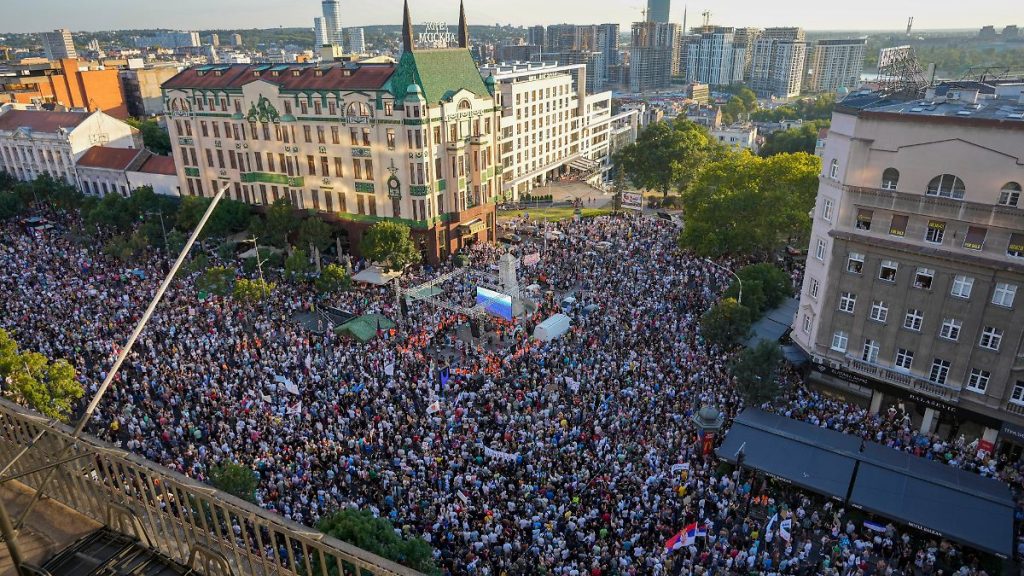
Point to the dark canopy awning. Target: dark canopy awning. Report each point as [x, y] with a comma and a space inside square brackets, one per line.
[924, 494]
[790, 457]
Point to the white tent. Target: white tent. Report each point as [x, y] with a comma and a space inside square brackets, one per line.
[374, 275]
[552, 328]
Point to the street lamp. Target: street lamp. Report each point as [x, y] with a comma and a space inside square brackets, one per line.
[734, 275]
[160, 213]
[259, 261]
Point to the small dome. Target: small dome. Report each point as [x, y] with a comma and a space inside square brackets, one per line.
[413, 89]
[708, 414]
[490, 81]
[843, 91]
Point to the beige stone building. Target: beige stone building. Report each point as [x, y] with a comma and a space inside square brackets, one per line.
[914, 287]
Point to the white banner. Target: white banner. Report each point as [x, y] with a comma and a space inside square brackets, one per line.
[499, 455]
[632, 201]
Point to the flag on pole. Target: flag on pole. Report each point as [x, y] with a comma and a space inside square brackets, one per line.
[690, 534]
[434, 408]
[874, 526]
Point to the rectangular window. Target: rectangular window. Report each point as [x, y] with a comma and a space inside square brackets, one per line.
[369, 169]
[287, 107]
[879, 311]
[833, 171]
[339, 168]
[1015, 248]
[923, 278]
[819, 250]
[325, 166]
[839, 341]
[321, 136]
[317, 107]
[913, 320]
[807, 324]
[307, 134]
[939, 372]
[1004, 294]
[311, 165]
[389, 108]
[335, 135]
[864, 219]
[391, 138]
[870, 352]
[357, 169]
[975, 238]
[354, 135]
[220, 158]
[899, 225]
[847, 302]
[991, 338]
[813, 288]
[366, 136]
[950, 329]
[962, 286]
[855, 263]
[887, 271]
[978, 380]
[936, 231]
[216, 130]
[209, 157]
[1017, 397]
[303, 107]
[904, 359]
[204, 129]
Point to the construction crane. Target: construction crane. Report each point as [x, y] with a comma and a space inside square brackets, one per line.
[707, 17]
[910, 24]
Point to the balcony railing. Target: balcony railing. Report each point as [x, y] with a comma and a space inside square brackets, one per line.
[190, 522]
[904, 379]
[933, 206]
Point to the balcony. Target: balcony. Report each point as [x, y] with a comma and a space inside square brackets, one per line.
[903, 379]
[933, 206]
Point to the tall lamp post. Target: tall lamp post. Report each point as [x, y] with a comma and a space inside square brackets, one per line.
[734, 275]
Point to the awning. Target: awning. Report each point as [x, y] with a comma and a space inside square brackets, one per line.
[374, 275]
[932, 506]
[788, 457]
[775, 323]
[474, 226]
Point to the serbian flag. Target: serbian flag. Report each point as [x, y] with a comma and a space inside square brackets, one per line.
[675, 542]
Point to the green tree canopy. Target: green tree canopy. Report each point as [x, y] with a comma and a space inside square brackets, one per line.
[755, 372]
[726, 324]
[377, 535]
[235, 479]
[112, 215]
[153, 136]
[10, 205]
[49, 387]
[126, 247]
[253, 291]
[817, 108]
[217, 280]
[390, 244]
[230, 216]
[297, 265]
[333, 278]
[280, 223]
[803, 138]
[666, 156]
[765, 286]
[743, 204]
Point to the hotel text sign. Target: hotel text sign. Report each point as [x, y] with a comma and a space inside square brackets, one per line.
[437, 34]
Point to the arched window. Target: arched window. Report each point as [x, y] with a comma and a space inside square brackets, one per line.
[465, 105]
[1010, 194]
[946, 186]
[358, 109]
[890, 179]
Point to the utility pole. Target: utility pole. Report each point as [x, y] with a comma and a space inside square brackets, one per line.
[259, 261]
[734, 275]
[162, 227]
[9, 531]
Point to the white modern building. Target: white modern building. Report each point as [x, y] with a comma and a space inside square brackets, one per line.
[354, 41]
[551, 127]
[739, 135]
[778, 63]
[320, 31]
[36, 142]
[332, 22]
[835, 64]
[711, 58]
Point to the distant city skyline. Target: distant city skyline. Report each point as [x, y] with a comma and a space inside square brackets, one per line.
[241, 14]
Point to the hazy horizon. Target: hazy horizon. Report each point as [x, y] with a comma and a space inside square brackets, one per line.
[863, 16]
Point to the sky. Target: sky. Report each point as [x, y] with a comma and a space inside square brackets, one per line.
[39, 15]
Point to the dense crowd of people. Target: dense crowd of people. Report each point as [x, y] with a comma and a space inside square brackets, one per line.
[573, 457]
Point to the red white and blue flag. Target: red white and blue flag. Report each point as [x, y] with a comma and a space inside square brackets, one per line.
[686, 537]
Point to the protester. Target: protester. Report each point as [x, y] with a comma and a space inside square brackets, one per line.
[574, 457]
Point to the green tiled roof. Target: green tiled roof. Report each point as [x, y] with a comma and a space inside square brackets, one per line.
[440, 73]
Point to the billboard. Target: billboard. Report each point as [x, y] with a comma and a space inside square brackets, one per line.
[495, 303]
[632, 201]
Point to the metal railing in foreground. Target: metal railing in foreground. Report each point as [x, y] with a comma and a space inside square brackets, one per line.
[192, 523]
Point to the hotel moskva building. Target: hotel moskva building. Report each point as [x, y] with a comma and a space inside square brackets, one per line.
[413, 142]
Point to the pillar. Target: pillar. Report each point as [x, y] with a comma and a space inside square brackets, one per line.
[876, 401]
[928, 422]
[990, 435]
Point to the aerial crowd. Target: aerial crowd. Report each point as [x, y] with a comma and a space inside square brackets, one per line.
[573, 457]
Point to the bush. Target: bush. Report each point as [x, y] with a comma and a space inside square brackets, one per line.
[726, 323]
[252, 291]
[235, 479]
[217, 280]
[377, 535]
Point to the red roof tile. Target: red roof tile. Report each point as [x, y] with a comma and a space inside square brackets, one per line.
[41, 120]
[332, 77]
[108, 158]
[158, 165]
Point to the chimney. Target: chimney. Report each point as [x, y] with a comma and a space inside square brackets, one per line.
[463, 26]
[407, 39]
